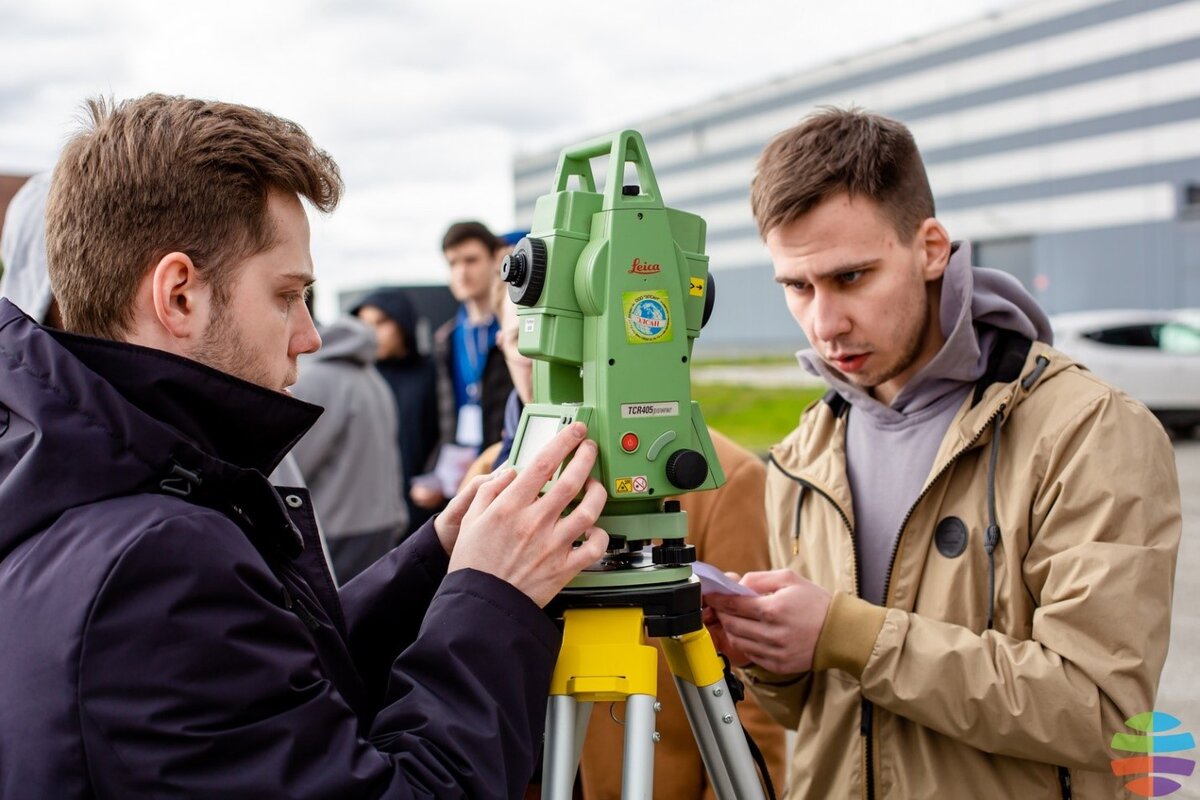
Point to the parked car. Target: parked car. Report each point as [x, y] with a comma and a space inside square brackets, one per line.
[1153, 356]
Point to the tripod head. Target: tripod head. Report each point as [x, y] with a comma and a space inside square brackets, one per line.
[612, 290]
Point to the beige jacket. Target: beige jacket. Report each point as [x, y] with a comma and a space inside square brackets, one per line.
[920, 695]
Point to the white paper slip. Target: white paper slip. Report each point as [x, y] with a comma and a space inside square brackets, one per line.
[714, 581]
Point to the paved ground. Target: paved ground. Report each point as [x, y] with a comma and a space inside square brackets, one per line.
[1179, 691]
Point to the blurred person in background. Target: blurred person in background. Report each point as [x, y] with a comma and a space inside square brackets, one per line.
[412, 377]
[473, 382]
[349, 457]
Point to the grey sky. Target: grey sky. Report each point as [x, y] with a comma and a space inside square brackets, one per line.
[422, 103]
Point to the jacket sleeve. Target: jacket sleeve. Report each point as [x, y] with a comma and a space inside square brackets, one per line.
[1104, 527]
[196, 682]
[385, 604]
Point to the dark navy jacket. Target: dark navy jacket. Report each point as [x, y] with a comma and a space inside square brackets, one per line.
[168, 627]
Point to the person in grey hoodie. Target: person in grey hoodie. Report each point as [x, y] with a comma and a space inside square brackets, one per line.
[349, 457]
[26, 281]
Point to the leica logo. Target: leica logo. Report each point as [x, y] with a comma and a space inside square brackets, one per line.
[640, 267]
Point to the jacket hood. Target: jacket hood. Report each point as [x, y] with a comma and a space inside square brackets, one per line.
[84, 419]
[396, 303]
[345, 339]
[26, 280]
[975, 304]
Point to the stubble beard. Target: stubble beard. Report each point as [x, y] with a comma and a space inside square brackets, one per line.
[909, 353]
[224, 348]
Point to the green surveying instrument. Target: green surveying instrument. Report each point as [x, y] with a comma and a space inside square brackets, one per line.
[612, 290]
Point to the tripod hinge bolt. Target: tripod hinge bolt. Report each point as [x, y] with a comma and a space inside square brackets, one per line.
[657, 737]
[727, 719]
[657, 706]
[718, 692]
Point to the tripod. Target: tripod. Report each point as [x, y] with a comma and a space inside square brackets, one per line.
[604, 658]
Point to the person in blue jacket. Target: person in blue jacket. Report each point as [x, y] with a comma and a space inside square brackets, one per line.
[169, 625]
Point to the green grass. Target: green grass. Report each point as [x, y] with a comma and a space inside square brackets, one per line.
[755, 417]
[780, 360]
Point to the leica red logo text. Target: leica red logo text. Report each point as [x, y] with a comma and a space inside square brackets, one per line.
[640, 267]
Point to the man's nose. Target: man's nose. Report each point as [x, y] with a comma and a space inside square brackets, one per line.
[306, 340]
[829, 318]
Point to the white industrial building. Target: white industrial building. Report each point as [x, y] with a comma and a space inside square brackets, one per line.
[1061, 138]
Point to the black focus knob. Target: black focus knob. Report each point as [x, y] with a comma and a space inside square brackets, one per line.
[525, 269]
[673, 555]
[686, 469]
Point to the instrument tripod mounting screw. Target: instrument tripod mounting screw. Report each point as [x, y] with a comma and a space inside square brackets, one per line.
[657, 737]
[727, 719]
[657, 706]
[718, 692]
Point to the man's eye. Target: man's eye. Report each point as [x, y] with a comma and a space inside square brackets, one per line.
[851, 277]
[798, 287]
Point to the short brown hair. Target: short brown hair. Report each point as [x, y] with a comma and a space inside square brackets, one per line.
[461, 232]
[158, 174]
[842, 150]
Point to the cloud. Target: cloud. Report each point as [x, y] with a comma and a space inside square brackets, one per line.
[423, 103]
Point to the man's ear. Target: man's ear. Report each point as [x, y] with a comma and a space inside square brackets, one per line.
[180, 297]
[933, 242]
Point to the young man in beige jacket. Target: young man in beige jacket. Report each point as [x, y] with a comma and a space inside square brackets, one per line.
[974, 537]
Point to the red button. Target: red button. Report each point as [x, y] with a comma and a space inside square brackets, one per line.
[629, 442]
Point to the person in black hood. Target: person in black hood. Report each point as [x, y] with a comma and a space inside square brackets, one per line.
[412, 377]
[170, 628]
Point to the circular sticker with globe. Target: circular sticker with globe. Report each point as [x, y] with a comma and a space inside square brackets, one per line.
[647, 316]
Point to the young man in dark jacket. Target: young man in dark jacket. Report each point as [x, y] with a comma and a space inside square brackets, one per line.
[170, 628]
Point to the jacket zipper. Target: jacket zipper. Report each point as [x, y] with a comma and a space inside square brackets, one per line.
[887, 580]
[298, 608]
[866, 709]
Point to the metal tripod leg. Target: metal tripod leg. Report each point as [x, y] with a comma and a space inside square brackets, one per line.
[700, 676]
[566, 726]
[637, 777]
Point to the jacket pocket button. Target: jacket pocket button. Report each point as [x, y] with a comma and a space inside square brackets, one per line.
[293, 500]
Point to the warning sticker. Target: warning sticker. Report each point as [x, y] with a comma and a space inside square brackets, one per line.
[636, 410]
[696, 288]
[647, 316]
[633, 485]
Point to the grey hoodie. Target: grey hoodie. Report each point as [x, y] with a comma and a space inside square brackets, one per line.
[26, 281]
[890, 448]
[349, 457]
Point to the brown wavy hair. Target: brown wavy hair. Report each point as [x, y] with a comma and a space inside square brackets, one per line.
[836, 151]
[158, 174]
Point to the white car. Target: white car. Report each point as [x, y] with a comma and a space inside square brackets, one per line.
[1153, 356]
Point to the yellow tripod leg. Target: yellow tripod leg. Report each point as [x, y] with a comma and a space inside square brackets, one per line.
[604, 658]
[700, 677]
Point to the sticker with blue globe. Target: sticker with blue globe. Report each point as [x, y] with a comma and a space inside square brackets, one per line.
[647, 316]
[1150, 744]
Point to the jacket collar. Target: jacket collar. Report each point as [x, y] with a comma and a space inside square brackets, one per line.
[815, 452]
[230, 419]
